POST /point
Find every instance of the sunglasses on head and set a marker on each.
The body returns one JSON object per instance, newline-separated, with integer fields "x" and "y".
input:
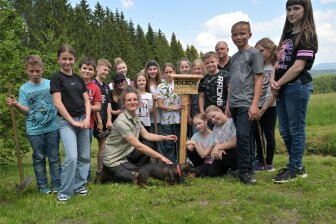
{"x": 120, "y": 81}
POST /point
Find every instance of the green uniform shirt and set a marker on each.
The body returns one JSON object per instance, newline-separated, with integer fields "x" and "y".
{"x": 117, "y": 148}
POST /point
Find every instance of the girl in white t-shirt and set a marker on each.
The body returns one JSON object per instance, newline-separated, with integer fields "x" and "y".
{"x": 153, "y": 74}
{"x": 146, "y": 100}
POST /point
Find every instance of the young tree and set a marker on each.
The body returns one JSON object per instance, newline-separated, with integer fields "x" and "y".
{"x": 176, "y": 49}
{"x": 192, "y": 53}
{"x": 150, "y": 37}
{"x": 12, "y": 52}
{"x": 163, "y": 51}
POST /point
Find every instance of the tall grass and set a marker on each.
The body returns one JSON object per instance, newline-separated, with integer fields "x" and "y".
{"x": 322, "y": 110}
{"x": 321, "y": 126}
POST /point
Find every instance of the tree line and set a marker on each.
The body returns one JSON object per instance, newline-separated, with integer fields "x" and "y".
{"x": 41, "y": 26}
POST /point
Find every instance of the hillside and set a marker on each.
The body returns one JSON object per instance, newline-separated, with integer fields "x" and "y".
{"x": 319, "y": 72}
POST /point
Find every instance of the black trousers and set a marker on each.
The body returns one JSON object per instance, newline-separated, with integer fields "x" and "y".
{"x": 217, "y": 168}
{"x": 125, "y": 172}
{"x": 220, "y": 167}
{"x": 267, "y": 124}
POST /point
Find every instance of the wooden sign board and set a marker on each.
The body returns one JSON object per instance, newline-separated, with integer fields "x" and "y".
{"x": 186, "y": 83}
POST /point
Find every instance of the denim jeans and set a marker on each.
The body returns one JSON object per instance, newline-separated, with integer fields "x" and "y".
{"x": 46, "y": 145}
{"x": 292, "y": 110}
{"x": 75, "y": 168}
{"x": 170, "y": 149}
{"x": 245, "y": 138}
{"x": 90, "y": 136}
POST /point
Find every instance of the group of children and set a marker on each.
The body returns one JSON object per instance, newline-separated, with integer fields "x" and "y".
{"x": 237, "y": 95}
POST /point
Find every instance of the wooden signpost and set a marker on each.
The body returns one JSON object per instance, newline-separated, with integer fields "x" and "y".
{"x": 185, "y": 84}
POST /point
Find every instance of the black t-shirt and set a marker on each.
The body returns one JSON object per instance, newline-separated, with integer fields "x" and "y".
{"x": 287, "y": 56}
{"x": 226, "y": 67}
{"x": 71, "y": 89}
{"x": 215, "y": 89}
{"x": 115, "y": 106}
{"x": 106, "y": 98}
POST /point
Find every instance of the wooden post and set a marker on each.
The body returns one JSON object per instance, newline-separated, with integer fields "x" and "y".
{"x": 183, "y": 132}
{"x": 185, "y": 84}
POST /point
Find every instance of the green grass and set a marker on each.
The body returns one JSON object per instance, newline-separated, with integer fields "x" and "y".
{"x": 321, "y": 126}
{"x": 217, "y": 200}
{"x": 321, "y": 110}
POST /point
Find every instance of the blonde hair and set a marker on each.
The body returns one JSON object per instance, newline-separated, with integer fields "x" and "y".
{"x": 179, "y": 64}
{"x": 32, "y": 60}
{"x": 241, "y": 23}
{"x": 200, "y": 116}
{"x": 119, "y": 61}
{"x": 105, "y": 62}
{"x": 198, "y": 62}
{"x": 212, "y": 108}
{"x": 210, "y": 54}
{"x": 269, "y": 44}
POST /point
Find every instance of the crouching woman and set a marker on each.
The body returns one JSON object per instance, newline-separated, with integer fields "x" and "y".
{"x": 124, "y": 153}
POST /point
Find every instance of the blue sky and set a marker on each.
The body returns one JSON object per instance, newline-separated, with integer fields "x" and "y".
{"x": 203, "y": 23}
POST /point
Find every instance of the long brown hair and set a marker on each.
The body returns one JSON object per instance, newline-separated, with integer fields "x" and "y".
{"x": 153, "y": 63}
{"x": 307, "y": 36}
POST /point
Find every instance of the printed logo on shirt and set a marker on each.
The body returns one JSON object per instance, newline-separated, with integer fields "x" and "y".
{"x": 144, "y": 108}
{"x": 220, "y": 89}
{"x": 285, "y": 54}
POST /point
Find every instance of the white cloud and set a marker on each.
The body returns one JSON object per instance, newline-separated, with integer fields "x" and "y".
{"x": 219, "y": 28}
{"x": 127, "y": 3}
{"x": 327, "y": 1}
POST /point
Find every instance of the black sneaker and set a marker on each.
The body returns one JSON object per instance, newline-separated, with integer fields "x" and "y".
{"x": 248, "y": 177}
{"x": 285, "y": 175}
{"x": 301, "y": 172}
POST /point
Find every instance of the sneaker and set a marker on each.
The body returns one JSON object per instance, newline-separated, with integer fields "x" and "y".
{"x": 248, "y": 177}
{"x": 270, "y": 168}
{"x": 258, "y": 167}
{"x": 301, "y": 172}
{"x": 83, "y": 192}
{"x": 45, "y": 191}
{"x": 285, "y": 175}
{"x": 62, "y": 198}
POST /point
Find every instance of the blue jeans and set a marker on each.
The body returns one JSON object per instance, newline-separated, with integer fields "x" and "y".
{"x": 292, "y": 110}
{"x": 46, "y": 145}
{"x": 170, "y": 149}
{"x": 75, "y": 168}
{"x": 245, "y": 138}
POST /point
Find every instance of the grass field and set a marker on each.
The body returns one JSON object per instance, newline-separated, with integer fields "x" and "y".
{"x": 321, "y": 126}
{"x": 217, "y": 200}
